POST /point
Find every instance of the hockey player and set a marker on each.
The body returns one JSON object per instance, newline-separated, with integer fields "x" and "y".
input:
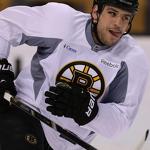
{"x": 88, "y": 74}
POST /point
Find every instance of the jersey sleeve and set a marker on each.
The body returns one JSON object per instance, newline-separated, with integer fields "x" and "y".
{"x": 13, "y": 23}
{"x": 120, "y": 105}
{"x": 39, "y": 21}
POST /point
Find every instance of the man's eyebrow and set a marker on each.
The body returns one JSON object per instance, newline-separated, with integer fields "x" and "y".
{"x": 115, "y": 10}
{"x": 112, "y": 9}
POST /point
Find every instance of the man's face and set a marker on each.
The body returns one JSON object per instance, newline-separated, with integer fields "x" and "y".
{"x": 112, "y": 23}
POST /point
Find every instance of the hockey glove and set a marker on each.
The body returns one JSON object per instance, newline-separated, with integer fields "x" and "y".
{"x": 6, "y": 83}
{"x": 72, "y": 102}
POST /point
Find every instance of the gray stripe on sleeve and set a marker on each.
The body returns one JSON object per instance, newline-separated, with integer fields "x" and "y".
{"x": 46, "y": 46}
{"x": 118, "y": 87}
{"x": 38, "y": 41}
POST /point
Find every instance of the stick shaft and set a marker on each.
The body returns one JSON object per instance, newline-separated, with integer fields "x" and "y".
{"x": 66, "y": 134}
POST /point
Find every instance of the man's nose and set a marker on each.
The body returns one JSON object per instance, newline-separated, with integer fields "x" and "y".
{"x": 118, "y": 21}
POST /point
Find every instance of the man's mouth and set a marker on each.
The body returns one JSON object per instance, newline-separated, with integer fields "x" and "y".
{"x": 115, "y": 33}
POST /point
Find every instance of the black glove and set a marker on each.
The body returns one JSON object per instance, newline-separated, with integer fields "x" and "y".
{"x": 72, "y": 102}
{"x": 6, "y": 83}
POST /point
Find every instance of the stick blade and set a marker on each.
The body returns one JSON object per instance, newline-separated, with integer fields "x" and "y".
{"x": 146, "y": 134}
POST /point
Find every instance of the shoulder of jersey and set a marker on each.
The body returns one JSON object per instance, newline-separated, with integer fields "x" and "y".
{"x": 60, "y": 6}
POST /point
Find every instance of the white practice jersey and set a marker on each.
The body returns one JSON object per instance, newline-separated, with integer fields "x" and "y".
{"x": 66, "y": 52}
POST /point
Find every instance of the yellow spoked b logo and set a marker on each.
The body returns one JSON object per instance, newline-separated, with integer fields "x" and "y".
{"x": 83, "y": 74}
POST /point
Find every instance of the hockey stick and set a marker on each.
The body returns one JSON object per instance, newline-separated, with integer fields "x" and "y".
{"x": 66, "y": 134}
{"x": 141, "y": 144}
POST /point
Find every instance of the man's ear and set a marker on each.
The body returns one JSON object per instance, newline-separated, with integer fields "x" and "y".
{"x": 95, "y": 13}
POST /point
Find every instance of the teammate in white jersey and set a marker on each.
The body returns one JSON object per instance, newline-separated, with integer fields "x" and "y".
{"x": 103, "y": 67}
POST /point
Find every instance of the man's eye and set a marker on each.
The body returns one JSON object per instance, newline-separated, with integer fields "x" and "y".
{"x": 112, "y": 13}
{"x": 127, "y": 18}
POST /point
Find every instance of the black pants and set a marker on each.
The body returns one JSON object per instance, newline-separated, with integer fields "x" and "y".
{"x": 19, "y": 131}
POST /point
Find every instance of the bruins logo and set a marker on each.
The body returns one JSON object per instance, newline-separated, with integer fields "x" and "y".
{"x": 83, "y": 74}
{"x": 31, "y": 139}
